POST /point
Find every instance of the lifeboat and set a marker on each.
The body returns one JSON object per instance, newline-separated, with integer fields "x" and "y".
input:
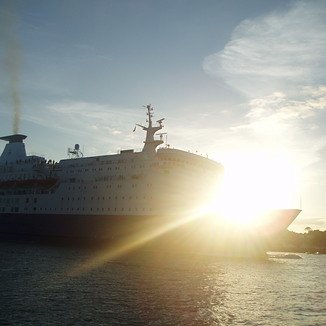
{"x": 39, "y": 183}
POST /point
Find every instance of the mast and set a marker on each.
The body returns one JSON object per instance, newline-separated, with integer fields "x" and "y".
{"x": 150, "y": 142}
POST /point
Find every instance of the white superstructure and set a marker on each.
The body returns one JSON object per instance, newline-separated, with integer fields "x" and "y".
{"x": 153, "y": 182}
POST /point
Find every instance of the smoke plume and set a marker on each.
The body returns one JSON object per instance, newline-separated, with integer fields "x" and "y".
{"x": 11, "y": 60}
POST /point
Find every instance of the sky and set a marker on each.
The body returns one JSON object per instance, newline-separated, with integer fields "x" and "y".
{"x": 242, "y": 82}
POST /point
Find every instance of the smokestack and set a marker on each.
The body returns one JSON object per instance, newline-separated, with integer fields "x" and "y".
{"x": 11, "y": 57}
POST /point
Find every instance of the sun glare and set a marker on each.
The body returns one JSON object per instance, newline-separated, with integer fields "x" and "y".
{"x": 253, "y": 183}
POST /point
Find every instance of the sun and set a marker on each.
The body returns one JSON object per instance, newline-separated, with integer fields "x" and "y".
{"x": 253, "y": 183}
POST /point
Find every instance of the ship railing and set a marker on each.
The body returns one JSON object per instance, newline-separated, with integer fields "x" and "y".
{"x": 129, "y": 151}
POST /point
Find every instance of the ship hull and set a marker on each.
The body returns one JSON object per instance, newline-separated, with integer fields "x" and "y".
{"x": 183, "y": 233}
{"x": 76, "y": 226}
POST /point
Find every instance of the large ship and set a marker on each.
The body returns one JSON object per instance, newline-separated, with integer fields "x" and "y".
{"x": 151, "y": 192}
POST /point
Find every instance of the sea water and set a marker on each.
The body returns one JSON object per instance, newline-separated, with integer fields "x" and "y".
{"x": 69, "y": 285}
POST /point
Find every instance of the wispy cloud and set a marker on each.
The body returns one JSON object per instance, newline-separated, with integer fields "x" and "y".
{"x": 280, "y": 50}
{"x": 286, "y": 123}
{"x": 278, "y": 61}
{"x": 106, "y": 126}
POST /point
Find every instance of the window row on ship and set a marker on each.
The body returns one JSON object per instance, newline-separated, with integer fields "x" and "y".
{"x": 101, "y": 169}
{"x": 119, "y": 167}
{"x": 19, "y": 176}
{"x": 95, "y": 161}
{"x": 106, "y": 198}
{"x": 88, "y": 204}
{"x": 17, "y": 209}
{"x": 95, "y": 209}
{"x": 114, "y": 162}
{"x": 29, "y": 191}
{"x": 134, "y": 185}
{"x": 17, "y": 200}
{"x": 199, "y": 162}
{"x": 89, "y": 186}
{"x": 104, "y": 178}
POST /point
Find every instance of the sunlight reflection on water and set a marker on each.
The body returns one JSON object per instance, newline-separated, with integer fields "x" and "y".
{"x": 155, "y": 288}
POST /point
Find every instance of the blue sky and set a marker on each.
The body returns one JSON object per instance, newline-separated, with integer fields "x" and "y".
{"x": 241, "y": 81}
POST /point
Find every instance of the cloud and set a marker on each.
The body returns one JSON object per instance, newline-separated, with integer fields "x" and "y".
{"x": 278, "y": 61}
{"x": 84, "y": 116}
{"x": 104, "y": 125}
{"x": 280, "y": 50}
{"x": 286, "y": 123}
{"x": 280, "y": 111}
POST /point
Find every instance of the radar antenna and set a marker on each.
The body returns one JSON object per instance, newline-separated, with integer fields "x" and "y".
{"x": 75, "y": 152}
{"x": 150, "y": 142}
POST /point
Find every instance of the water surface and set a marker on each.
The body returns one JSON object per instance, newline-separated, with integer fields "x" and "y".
{"x": 48, "y": 285}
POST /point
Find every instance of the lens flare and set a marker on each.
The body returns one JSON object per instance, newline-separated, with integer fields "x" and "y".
{"x": 255, "y": 182}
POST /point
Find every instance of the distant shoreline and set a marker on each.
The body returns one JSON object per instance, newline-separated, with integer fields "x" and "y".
{"x": 312, "y": 242}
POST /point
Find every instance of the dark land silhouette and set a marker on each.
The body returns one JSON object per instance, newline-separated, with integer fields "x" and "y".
{"x": 311, "y": 241}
